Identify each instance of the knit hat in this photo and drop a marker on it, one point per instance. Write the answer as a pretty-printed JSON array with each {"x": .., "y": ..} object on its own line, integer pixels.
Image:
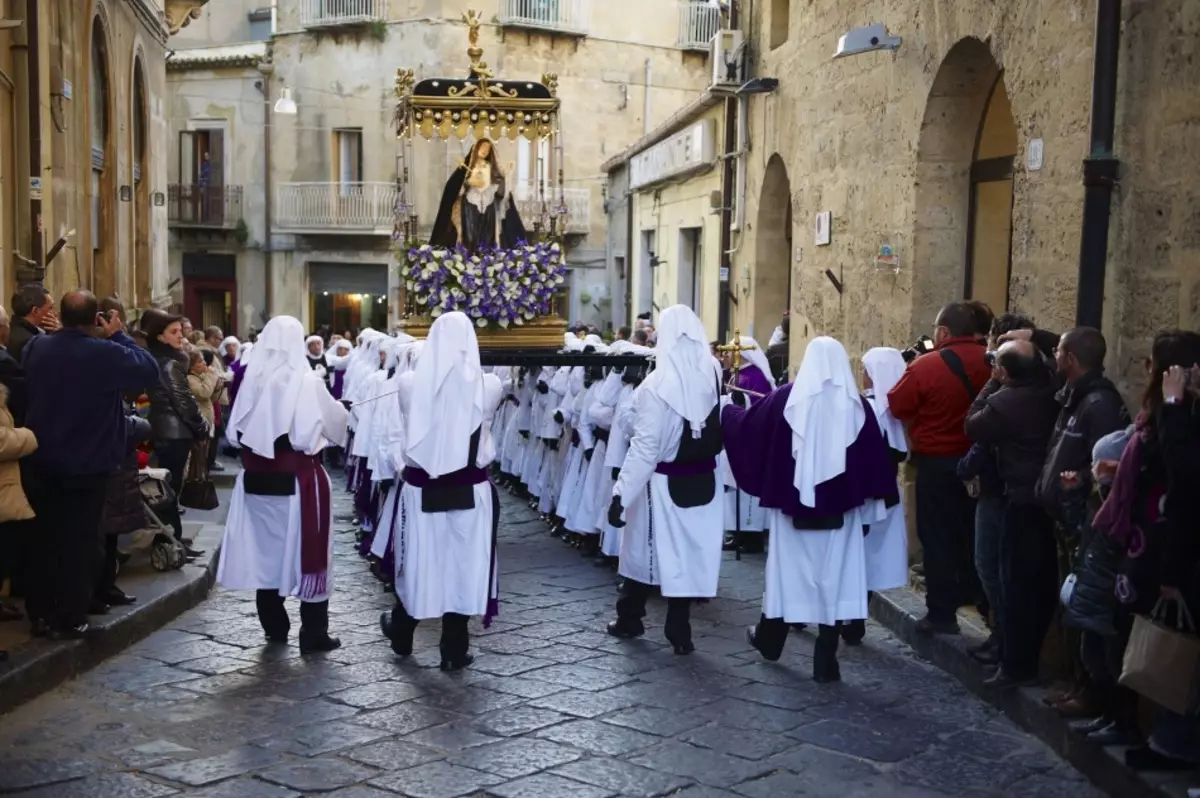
[{"x": 1111, "y": 446}]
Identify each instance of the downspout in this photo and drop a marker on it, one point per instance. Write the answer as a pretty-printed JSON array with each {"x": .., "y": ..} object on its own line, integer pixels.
[
  {"x": 29, "y": 81},
  {"x": 267, "y": 69},
  {"x": 727, "y": 173},
  {"x": 629, "y": 314},
  {"x": 646, "y": 107},
  {"x": 1100, "y": 168}
]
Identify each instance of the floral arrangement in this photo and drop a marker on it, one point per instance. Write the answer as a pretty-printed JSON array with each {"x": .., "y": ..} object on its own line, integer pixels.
[{"x": 498, "y": 286}]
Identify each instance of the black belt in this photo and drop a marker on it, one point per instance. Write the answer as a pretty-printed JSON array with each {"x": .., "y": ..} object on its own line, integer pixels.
[{"x": 600, "y": 434}]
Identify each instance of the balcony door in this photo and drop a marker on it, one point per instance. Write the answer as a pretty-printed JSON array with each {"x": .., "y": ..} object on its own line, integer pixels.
[{"x": 202, "y": 176}]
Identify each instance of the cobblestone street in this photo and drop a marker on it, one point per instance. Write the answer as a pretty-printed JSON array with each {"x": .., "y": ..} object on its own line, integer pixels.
[{"x": 552, "y": 706}]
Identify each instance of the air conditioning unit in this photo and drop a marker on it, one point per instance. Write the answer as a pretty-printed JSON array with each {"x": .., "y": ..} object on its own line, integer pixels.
[{"x": 725, "y": 56}]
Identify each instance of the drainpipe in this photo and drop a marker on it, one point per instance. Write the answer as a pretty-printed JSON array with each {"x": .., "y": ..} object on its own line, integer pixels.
[
  {"x": 267, "y": 69},
  {"x": 629, "y": 314},
  {"x": 646, "y": 108},
  {"x": 1100, "y": 168},
  {"x": 29, "y": 139},
  {"x": 727, "y": 176}
]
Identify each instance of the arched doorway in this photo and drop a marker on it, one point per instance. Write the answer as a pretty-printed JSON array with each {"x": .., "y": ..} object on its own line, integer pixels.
[
  {"x": 962, "y": 232},
  {"x": 103, "y": 190},
  {"x": 773, "y": 258},
  {"x": 141, "y": 190}
]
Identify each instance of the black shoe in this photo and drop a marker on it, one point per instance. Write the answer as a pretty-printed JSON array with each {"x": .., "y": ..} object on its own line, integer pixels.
[
  {"x": 39, "y": 628},
  {"x": 1112, "y": 734},
  {"x": 216, "y": 467},
  {"x": 853, "y": 632},
  {"x": 276, "y": 638},
  {"x": 188, "y": 551},
  {"x": 118, "y": 598},
  {"x": 1086, "y": 727},
  {"x": 81, "y": 632},
  {"x": 316, "y": 644},
  {"x": 752, "y": 639},
  {"x": 730, "y": 543},
  {"x": 9, "y": 612},
  {"x": 825, "y": 663},
  {"x": 827, "y": 674},
  {"x": 625, "y": 632},
  {"x": 682, "y": 647},
  {"x": 400, "y": 648},
  {"x": 123, "y": 557},
  {"x": 927, "y": 627},
  {"x": 799, "y": 627},
  {"x": 1000, "y": 680},
  {"x": 457, "y": 664},
  {"x": 98, "y": 607}
]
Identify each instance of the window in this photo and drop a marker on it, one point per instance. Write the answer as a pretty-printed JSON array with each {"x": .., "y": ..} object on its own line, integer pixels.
[
  {"x": 349, "y": 159},
  {"x": 260, "y": 24},
  {"x": 99, "y": 124},
  {"x": 533, "y": 167},
  {"x": 780, "y": 19}
]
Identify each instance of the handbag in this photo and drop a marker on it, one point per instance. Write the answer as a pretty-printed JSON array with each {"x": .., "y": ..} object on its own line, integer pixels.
[
  {"x": 1163, "y": 663},
  {"x": 198, "y": 491}
]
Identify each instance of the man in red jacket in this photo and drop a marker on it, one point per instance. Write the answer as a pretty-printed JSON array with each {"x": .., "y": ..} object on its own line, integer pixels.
[{"x": 932, "y": 399}]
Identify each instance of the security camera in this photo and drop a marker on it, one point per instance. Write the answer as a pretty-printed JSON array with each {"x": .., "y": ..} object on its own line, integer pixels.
[{"x": 866, "y": 40}]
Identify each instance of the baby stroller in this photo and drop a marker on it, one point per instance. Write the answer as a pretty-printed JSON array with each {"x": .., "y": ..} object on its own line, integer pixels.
[{"x": 166, "y": 553}]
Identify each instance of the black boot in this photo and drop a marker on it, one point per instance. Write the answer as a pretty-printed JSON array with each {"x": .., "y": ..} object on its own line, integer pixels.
[
  {"x": 314, "y": 628},
  {"x": 272, "y": 615},
  {"x": 825, "y": 664},
  {"x": 768, "y": 637},
  {"x": 678, "y": 628},
  {"x": 853, "y": 632},
  {"x": 456, "y": 642},
  {"x": 398, "y": 627},
  {"x": 631, "y": 608}
]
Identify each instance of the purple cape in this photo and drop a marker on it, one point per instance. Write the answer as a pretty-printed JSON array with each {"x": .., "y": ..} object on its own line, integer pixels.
[
  {"x": 751, "y": 378},
  {"x": 239, "y": 370},
  {"x": 338, "y": 383},
  {"x": 758, "y": 443}
]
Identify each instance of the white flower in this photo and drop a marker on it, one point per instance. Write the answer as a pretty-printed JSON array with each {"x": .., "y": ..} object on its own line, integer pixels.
[
  {"x": 424, "y": 248},
  {"x": 518, "y": 321},
  {"x": 435, "y": 312},
  {"x": 503, "y": 322},
  {"x": 529, "y": 315},
  {"x": 481, "y": 322}
]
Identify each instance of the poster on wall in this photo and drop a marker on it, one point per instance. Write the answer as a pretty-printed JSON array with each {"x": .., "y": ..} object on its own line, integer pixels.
[{"x": 824, "y": 218}]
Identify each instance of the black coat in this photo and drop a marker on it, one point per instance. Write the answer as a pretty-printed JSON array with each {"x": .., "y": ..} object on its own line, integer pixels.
[
  {"x": 123, "y": 508},
  {"x": 22, "y": 333},
  {"x": 1016, "y": 420},
  {"x": 12, "y": 377},
  {"x": 174, "y": 414},
  {"x": 1090, "y": 409}
]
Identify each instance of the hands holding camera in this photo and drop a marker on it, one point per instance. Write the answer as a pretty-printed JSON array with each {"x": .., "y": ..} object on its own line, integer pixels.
[{"x": 1178, "y": 380}]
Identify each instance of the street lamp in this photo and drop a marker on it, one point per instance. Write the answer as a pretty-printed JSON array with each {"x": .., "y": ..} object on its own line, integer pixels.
[{"x": 285, "y": 104}]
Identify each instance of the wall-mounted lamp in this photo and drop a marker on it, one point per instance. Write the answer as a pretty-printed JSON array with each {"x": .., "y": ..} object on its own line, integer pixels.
[
  {"x": 126, "y": 193},
  {"x": 285, "y": 104},
  {"x": 866, "y": 40},
  {"x": 160, "y": 199}
]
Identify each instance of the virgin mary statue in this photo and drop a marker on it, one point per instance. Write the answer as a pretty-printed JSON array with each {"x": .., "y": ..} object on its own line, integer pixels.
[{"x": 476, "y": 211}]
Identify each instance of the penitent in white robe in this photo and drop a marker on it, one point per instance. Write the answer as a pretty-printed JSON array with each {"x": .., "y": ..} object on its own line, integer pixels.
[
  {"x": 614, "y": 457},
  {"x": 444, "y": 560},
  {"x": 261, "y": 546},
  {"x": 886, "y": 550},
  {"x": 818, "y": 576},
  {"x": 680, "y": 549}
]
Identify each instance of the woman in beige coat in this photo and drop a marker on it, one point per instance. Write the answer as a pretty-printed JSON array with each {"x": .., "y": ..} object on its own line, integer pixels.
[{"x": 15, "y": 443}]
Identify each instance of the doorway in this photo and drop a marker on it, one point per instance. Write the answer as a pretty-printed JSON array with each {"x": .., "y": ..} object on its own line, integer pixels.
[
  {"x": 645, "y": 276},
  {"x": 348, "y": 297},
  {"x": 772, "y": 277},
  {"x": 210, "y": 290},
  {"x": 689, "y": 271},
  {"x": 201, "y": 195},
  {"x": 989, "y": 219}
]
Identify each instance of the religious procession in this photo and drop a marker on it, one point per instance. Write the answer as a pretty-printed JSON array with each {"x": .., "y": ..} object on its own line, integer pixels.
[{"x": 701, "y": 398}]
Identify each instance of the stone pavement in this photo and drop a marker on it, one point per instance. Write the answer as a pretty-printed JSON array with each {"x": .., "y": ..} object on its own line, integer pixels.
[{"x": 552, "y": 707}]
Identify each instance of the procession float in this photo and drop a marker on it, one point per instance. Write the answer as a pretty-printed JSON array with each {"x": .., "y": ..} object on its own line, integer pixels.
[{"x": 481, "y": 257}]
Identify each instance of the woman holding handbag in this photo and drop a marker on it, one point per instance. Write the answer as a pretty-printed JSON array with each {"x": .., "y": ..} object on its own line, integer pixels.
[{"x": 206, "y": 385}]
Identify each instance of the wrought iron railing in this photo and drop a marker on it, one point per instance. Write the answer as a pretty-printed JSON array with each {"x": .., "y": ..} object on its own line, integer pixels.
[
  {"x": 568, "y": 16},
  {"x": 699, "y": 21},
  {"x": 332, "y": 207},
  {"x": 577, "y": 201},
  {"x": 329, "y": 13},
  {"x": 218, "y": 207}
]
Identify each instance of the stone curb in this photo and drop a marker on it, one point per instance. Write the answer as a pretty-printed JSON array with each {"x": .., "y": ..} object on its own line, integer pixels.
[
  {"x": 42, "y": 665},
  {"x": 899, "y": 610}
]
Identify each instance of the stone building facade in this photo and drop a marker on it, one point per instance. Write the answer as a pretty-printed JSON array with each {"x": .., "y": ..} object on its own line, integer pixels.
[
  {"x": 623, "y": 68},
  {"x": 82, "y": 142},
  {"x": 951, "y": 167}
]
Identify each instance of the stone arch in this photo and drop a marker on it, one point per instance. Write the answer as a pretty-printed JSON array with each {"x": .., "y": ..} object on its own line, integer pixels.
[
  {"x": 962, "y": 228},
  {"x": 773, "y": 255},
  {"x": 102, "y": 191},
  {"x": 140, "y": 149}
]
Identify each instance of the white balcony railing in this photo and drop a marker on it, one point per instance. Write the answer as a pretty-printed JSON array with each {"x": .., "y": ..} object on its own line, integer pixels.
[
  {"x": 567, "y": 16},
  {"x": 330, "y": 13},
  {"x": 577, "y": 200},
  {"x": 699, "y": 21},
  {"x": 335, "y": 207}
]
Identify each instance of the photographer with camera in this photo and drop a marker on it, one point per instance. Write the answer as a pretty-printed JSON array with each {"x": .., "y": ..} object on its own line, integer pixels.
[
  {"x": 932, "y": 399},
  {"x": 1014, "y": 415},
  {"x": 76, "y": 378}
]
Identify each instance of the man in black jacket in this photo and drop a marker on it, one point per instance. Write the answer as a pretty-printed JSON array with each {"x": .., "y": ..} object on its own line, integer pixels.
[
  {"x": 1091, "y": 408},
  {"x": 33, "y": 315},
  {"x": 1015, "y": 414}
]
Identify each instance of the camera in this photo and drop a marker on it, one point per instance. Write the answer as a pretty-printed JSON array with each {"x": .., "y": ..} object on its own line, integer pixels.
[
  {"x": 989, "y": 357},
  {"x": 923, "y": 344}
]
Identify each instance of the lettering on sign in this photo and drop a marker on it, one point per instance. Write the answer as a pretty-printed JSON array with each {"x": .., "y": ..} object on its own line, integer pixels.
[
  {"x": 691, "y": 149},
  {"x": 1033, "y": 157}
]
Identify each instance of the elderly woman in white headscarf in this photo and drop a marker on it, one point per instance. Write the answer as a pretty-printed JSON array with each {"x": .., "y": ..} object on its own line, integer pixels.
[
  {"x": 813, "y": 454},
  {"x": 315, "y": 346},
  {"x": 278, "y": 538},
  {"x": 337, "y": 359},
  {"x": 673, "y": 453},
  {"x": 446, "y": 539}
]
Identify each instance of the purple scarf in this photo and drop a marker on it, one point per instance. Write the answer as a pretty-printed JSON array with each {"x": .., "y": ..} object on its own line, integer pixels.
[{"x": 1115, "y": 517}]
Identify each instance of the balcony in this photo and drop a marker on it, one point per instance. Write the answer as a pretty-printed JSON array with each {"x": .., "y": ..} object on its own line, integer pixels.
[
  {"x": 577, "y": 200},
  {"x": 699, "y": 22},
  {"x": 335, "y": 13},
  {"x": 205, "y": 207},
  {"x": 333, "y": 208},
  {"x": 561, "y": 16}
]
